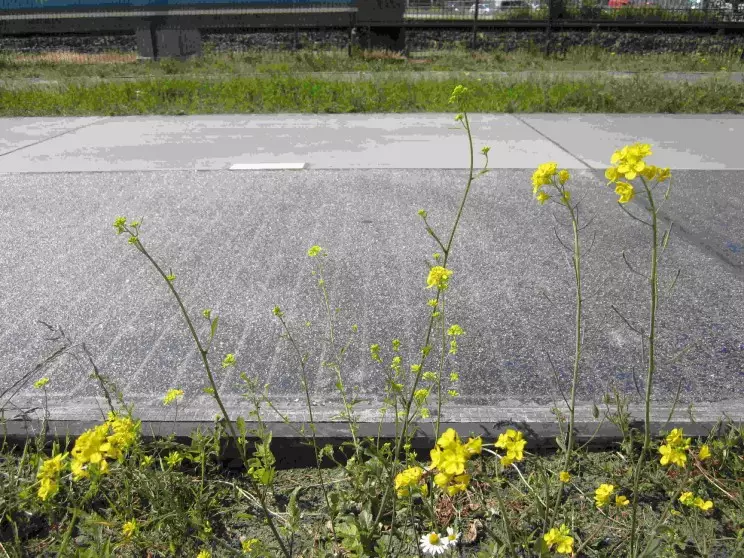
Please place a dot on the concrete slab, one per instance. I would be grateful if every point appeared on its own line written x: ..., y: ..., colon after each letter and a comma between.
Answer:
x: 237, y: 241
x: 705, y: 142
x: 17, y: 133
x: 237, y: 245
x: 324, y: 141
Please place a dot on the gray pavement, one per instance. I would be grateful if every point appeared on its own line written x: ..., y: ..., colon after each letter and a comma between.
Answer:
x: 236, y: 241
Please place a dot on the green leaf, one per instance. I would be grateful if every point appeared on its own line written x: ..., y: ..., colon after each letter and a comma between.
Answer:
x: 214, y: 328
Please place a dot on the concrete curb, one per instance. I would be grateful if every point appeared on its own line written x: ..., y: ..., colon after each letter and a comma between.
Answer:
x: 25, y: 419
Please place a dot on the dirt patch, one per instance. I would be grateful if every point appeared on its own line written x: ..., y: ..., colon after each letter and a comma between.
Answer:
x: 67, y: 57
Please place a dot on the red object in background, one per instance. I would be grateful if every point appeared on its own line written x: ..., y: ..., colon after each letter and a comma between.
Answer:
x: 623, y: 3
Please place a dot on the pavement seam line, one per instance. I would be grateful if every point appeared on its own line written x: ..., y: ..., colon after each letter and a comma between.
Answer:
x: 34, y: 144
x: 551, y: 140
x: 688, y: 236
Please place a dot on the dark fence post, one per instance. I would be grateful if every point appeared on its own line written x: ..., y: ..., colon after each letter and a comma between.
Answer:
x: 383, y: 22
x: 474, y: 40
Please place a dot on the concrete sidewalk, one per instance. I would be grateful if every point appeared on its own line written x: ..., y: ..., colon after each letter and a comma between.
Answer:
x: 236, y: 241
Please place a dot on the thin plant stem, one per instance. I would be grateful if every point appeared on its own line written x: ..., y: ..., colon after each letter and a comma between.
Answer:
x: 409, y: 401
x: 308, y: 401
x: 654, y: 280
x: 203, y: 353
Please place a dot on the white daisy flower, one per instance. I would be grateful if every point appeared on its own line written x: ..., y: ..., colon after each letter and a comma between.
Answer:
x: 433, y: 544
x: 452, y: 537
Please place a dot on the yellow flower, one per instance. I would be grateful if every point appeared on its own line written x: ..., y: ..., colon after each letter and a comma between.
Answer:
x: 473, y: 446
x: 542, y: 197
x: 51, y: 468
x: 625, y: 191
x: 173, y: 395
x: 560, y: 539
x: 48, y: 488
x: 438, y: 277
x: 204, y: 554
x: 687, y: 498
x: 611, y: 174
x: 452, y: 460
x: 563, y: 476
x: 663, y: 174
x: 602, y: 494
x: 408, y: 478
x: 650, y: 172
x: 704, y: 505
x: 38, y: 384
x: 460, y: 484
x: 563, y: 176
x: 248, y: 544
x: 129, y: 528
x: 621, y: 501
x: 670, y: 454
x: 704, y: 453
x: 314, y: 251
x: 513, y: 442
x: 543, y: 176
x: 78, y: 470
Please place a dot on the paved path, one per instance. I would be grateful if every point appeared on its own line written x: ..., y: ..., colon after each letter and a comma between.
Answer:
x: 236, y: 241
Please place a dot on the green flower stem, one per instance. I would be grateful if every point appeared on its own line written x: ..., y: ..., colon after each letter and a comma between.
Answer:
x: 507, y: 528
x: 409, y: 401
x: 215, y: 392
x: 337, y: 365
x: 654, y: 280
x: 439, y: 376
x: 312, y: 419
x: 577, y: 353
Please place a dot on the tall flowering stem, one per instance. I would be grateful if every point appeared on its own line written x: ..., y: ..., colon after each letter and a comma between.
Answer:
x: 628, y: 164
x: 133, y: 229
x: 438, y: 278
x: 548, y: 175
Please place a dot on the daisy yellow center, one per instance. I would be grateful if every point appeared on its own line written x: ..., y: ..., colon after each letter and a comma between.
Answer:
x: 433, y: 538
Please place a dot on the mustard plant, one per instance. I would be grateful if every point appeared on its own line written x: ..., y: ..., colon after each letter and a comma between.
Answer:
x: 260, y: 466
x: 628, y: 164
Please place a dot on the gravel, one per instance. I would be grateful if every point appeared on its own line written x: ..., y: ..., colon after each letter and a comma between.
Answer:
x: 416, y: 39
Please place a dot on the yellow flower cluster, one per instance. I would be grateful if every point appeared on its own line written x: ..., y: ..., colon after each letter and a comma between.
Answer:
x: 408, y: 479
x: 544, y: 176
x: 628, y: 163
x: 109, y: 440
x: 449, y: 457
x: 438, y: 277
x: 602, y: 494
x: 690, y: 500
x: 49, y: 476
x: 560, y: 539
x: 513, y: 442
x: 674, y: 449
x: 172, y: 395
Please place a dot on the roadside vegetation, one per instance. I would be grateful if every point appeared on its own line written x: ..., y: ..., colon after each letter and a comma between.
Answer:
x: 60, y: 66
x: 271, y: 82
x: 657, y: 493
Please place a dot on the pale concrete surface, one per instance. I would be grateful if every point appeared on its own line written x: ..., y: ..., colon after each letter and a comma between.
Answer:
x: 400, y: 141
x: 236, y: 241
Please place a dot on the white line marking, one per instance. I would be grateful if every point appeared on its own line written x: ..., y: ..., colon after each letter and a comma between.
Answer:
x: 268, y: 166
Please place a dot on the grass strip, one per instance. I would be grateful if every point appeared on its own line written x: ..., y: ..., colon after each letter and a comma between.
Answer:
x: 61, y: 65
x: 286, y: 94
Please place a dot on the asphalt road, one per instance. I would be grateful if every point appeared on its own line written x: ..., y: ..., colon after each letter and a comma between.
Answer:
x: 236, y: 241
